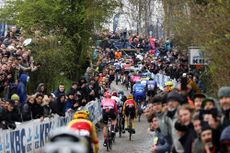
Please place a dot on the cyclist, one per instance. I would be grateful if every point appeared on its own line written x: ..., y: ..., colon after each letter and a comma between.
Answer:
x: 115, y: 97
x: 109, y: 110
x: 118, y: 68
x: 84, y: 127
x: 151, y: 87
x: 130, y: 108
x: 66, y: 140
x: 168, y: 86
x: 139, y: 91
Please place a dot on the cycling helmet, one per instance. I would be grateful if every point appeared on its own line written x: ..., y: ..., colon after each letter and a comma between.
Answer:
x: 169, y: 83
x: 114, y: 93
x: 130, y: 97
x: 66, y: 140
x: 107, y: 95
x: 82, y: 114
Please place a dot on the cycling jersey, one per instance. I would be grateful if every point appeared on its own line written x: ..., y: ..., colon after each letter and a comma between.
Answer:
x: 117, y: 66
x: 117, y: 99
x: 85, y: 128
x: 130, y: 108
x: 108, y: 103
x: 135, y: 78
x: 151, y: 85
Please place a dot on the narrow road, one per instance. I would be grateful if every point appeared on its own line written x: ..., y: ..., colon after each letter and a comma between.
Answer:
x: 140, y: 142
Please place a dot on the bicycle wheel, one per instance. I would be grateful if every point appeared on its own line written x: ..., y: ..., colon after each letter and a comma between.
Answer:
x: 130, y: 129
x: 110, y: 141
x: 113, y: 137
x: 139, y: 112
x: 120, y: 125
x: 107, y: 142
x: 117, y: 79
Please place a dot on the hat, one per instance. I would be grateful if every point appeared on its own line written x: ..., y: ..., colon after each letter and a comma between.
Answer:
x: 14, y: 97
x: 199, y: 95
x: 205, y: 126
x: 209, y: 99
x: 225, y: 137
x: 157, y: 99
x: 173, y: 95
x: 224, y: 92
x: 179, y: 127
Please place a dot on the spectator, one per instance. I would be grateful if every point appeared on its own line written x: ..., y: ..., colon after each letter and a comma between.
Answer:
x: 27, y: 109
x: 225, y: 140
x: 74, y: 88
x: 58, y: 106
x: 185, y: 116
x: 47, y: 106
x: 173, y: 100
x: 158, y: 109
x: 37, y: 109
x: 69, y: 106
x: 159, y: 144
x: 207, y: 139
x: 224, y: 96
x: 60, y: 90
x: 21, y: 90
x: 41, y: 89
x: 6, y: 118
x: 197, y: 145
x: 198, y: 98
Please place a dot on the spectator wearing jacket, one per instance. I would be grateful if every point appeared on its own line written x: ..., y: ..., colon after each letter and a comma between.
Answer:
x: 198, y: 98
x: 159, y: 143
x: 224, y: 99
x: 21, y: 89
x: 69, y: 106
x: 41, y: 89
x: 197, y: 144
x: 225, y: 140
x: 27, y: 109
x: 58, y: 106
x: 37, y: 110
x: 173, y: 101
x: 18, y: 108
x: 207, y: 139
x: 157, y: 102
x: 6, y: 115
x: 46, y: 106
x: 60, y: 90
x: 185, y: 119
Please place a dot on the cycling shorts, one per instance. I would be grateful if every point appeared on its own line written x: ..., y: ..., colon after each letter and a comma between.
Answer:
x: 108, y: 114
x: 130, y: 111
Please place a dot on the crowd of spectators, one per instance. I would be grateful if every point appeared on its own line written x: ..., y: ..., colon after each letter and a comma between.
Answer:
x: 16, y: 63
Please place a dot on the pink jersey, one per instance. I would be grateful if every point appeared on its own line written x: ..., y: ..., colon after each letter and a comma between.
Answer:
x: 109, y: 103
x: 135, y: 78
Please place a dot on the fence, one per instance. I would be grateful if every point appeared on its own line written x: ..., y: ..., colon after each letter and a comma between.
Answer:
x: 31, y: 136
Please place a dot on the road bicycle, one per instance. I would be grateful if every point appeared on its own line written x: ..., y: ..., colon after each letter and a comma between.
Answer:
x: 109, y: 138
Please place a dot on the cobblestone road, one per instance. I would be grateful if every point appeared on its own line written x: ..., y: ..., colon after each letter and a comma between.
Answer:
x: 140, y: 142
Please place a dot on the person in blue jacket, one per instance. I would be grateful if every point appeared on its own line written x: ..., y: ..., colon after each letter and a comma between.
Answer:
x: 21, y: 89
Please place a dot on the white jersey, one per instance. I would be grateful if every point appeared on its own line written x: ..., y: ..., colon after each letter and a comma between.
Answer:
x: 117, y: 99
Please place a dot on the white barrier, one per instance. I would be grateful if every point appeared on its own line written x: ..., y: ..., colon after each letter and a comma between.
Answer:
x: 31, y: 136
x: 161, y: 79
